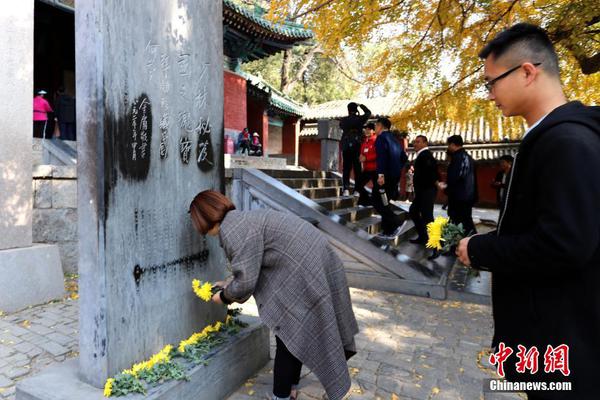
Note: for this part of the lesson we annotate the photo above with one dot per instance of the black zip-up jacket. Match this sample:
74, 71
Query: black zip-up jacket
352, 126
462, 181
426, 173
545, 255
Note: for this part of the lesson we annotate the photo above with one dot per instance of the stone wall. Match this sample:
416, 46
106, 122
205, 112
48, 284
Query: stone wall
55, 211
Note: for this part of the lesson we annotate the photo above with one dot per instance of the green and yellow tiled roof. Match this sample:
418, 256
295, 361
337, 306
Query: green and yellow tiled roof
287, 29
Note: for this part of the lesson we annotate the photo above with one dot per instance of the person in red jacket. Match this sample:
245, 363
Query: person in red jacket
368, 158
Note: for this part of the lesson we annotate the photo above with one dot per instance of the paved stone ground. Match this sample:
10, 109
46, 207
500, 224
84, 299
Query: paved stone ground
409, 348
34, 338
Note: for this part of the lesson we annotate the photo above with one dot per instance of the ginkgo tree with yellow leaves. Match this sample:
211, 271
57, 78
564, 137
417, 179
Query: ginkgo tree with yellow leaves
431, 47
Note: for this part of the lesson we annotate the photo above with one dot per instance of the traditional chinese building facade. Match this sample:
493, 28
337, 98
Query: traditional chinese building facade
485, 143
249, 101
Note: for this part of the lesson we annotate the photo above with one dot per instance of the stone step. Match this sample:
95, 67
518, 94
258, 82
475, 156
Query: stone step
307, 183
354, 214
338, 202
371, 225
288, 174
319, 193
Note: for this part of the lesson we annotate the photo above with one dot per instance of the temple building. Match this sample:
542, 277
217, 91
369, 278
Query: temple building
248, 100
486, 144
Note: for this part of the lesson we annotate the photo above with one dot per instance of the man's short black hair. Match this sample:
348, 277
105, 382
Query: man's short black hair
387, 124
352, 108
455, 139
370, 125
524, 43
423, 137
508, 158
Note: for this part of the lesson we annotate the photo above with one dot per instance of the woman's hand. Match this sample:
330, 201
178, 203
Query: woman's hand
216, 298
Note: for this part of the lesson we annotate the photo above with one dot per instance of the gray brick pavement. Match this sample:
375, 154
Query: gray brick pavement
34, 338
409, 348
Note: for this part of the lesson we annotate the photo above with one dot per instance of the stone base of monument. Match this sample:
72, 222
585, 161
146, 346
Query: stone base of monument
239, 161
239, 358
30, 275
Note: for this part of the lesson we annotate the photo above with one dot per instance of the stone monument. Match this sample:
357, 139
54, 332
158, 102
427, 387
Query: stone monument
29, 274
330, 134
150, 125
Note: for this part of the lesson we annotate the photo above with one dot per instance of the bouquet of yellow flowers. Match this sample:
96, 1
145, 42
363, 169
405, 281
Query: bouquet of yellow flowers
204, 290
443, 235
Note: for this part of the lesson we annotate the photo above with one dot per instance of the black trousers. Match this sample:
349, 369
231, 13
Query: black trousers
421, 210
244, 147
40, 129
67, 131
460, 212
351, 162
286, 371
364, 178
389, 220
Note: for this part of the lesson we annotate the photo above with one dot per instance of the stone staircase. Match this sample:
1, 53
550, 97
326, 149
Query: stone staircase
438, 278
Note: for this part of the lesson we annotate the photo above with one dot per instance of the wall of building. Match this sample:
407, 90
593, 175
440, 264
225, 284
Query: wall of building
275, 139
258, 121
289, 136
235, 116
310, 154
55, 211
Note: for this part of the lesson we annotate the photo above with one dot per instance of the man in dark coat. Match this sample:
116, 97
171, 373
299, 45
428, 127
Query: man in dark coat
545, 254
65, 114
352, 127
424, 182
461, 185
502, 179
390, 161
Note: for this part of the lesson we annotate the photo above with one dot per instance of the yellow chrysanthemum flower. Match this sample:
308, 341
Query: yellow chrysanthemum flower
108, 387
199, 336
435, 231
202, 290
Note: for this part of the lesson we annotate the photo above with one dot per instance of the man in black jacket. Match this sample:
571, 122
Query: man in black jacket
545, 254
461, 185
424, 182
390, 161
352, 127
502, 179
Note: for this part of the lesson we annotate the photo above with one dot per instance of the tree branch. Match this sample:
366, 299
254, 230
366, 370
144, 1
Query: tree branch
449, 88
313, 9
339, 67
287, 85
508, 10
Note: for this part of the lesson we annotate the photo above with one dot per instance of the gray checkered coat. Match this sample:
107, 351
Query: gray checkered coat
300, 288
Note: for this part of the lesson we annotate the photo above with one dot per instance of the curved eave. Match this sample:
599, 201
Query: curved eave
243, 19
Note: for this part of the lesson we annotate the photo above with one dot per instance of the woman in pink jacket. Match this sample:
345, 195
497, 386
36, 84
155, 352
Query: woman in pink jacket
41, 108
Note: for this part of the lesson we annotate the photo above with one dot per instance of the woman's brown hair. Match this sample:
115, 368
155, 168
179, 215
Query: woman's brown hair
208, 209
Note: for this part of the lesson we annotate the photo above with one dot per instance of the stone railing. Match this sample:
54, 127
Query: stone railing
55, 211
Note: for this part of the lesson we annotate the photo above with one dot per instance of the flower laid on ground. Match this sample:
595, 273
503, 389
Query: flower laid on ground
108, 387
197, 337
202, 290
443, 234
163, 366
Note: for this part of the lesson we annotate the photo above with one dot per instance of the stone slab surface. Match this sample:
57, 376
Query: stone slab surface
16, 81
239, 161
239, 358
150, 130
29, 276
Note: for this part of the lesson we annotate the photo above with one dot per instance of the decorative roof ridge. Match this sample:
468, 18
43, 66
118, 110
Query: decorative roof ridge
276, 98
288, 28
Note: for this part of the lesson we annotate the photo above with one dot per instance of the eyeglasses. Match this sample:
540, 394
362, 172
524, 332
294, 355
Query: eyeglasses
489, 85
